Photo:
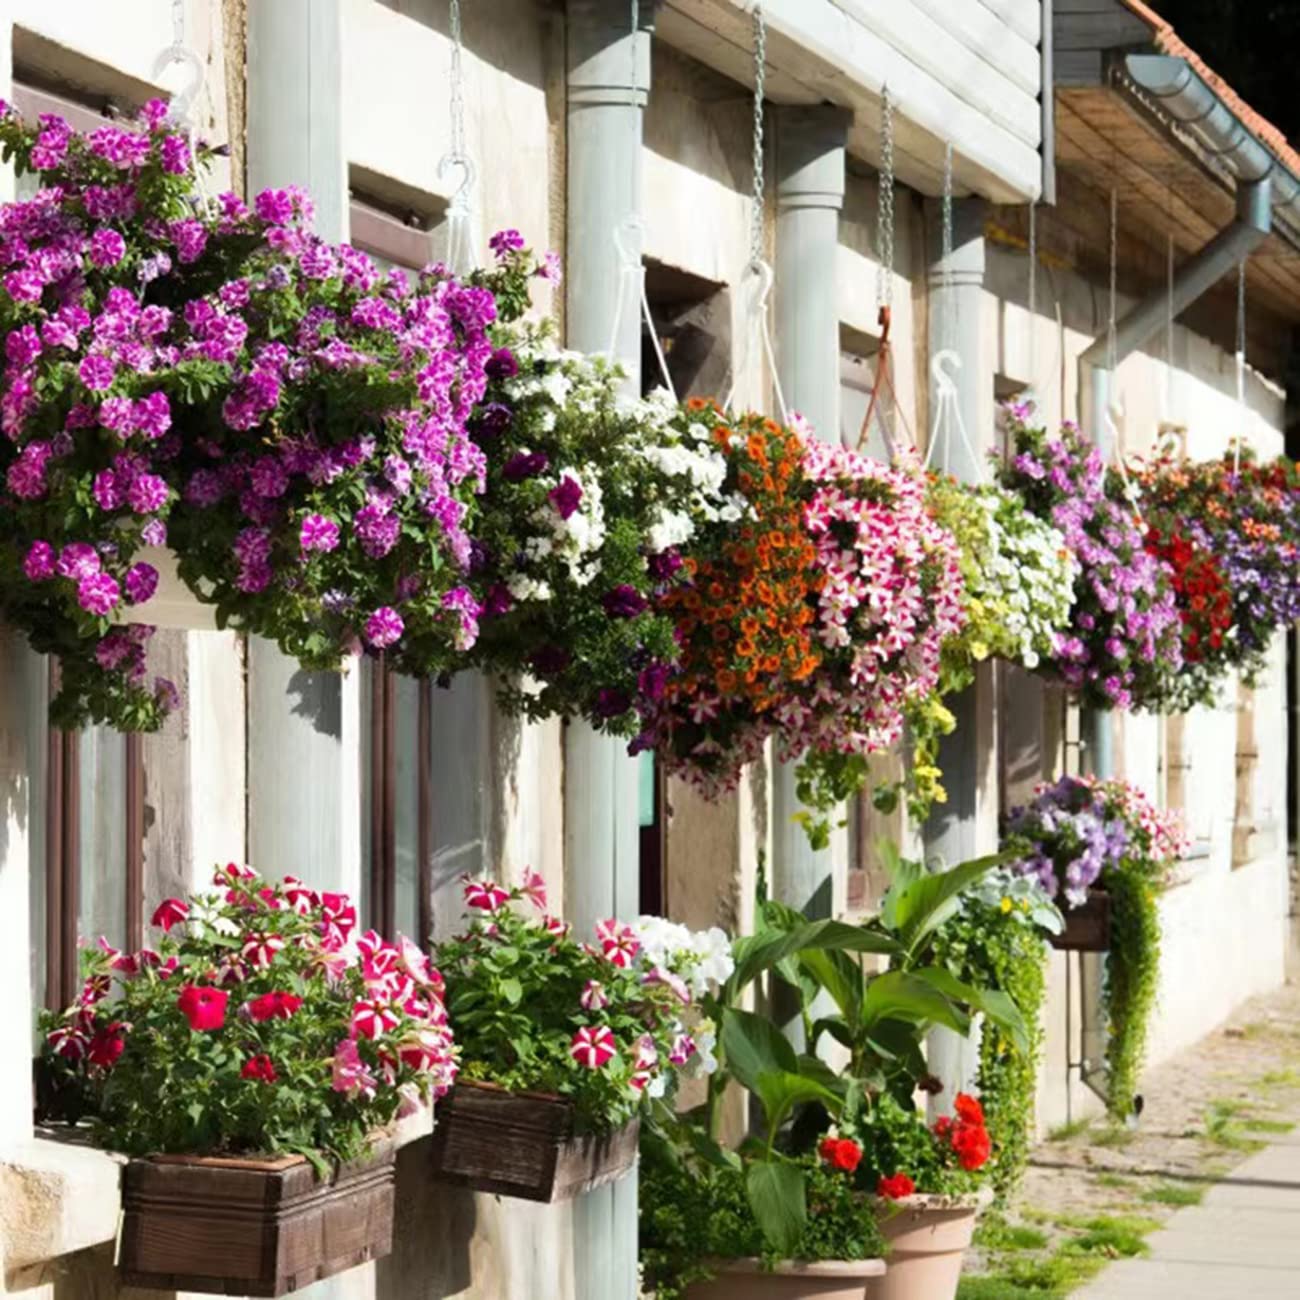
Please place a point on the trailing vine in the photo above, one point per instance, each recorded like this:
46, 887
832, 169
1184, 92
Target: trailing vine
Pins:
999, 945
1132, 975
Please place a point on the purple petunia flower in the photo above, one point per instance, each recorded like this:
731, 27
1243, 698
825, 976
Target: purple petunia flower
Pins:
318, 533
384, 627
566, 496
141, 583
97, 373
38, 563
502, 365
98, 593
623, 601
78, 560
524, 464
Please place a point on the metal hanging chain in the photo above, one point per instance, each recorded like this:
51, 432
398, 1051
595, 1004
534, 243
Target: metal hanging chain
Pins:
1112, 342
1033, 292
950, 308
457, 83
885, 205
760, 90
758, 274
181, 110
1241, 361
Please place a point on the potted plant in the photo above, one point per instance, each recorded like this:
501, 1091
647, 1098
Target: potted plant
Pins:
563, 1042
879, 1019
927, 1185
1103, 847
251, 1063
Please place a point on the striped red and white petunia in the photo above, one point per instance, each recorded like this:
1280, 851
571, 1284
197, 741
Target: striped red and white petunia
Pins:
593, 1048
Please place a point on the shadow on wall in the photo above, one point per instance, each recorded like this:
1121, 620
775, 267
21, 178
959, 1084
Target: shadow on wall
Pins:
432, 1231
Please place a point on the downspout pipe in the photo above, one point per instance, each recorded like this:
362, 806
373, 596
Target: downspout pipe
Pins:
1263, 182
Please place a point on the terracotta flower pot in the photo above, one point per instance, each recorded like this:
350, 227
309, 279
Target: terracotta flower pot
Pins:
747, 1279
252, 1227
522, 1144
927, 1236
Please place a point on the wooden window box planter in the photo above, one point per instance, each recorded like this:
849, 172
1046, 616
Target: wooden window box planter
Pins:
1087, 928
247, 1227
522, 1144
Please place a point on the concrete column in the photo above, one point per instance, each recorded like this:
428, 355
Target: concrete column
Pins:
608, 82
966, 825
304, 747
304, 729
809, 193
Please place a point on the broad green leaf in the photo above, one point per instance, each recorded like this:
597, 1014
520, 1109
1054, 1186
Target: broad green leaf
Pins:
898, 995
929, 900
778, 1198
839, 975
760, 952
995, 1004
754, 1045
512, 991
781, 1091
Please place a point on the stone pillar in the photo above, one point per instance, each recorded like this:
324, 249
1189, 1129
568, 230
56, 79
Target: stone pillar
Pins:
608, 82
304, 748
809, 193
304, 729
967, 824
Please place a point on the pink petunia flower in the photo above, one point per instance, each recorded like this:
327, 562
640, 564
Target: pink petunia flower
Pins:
593, 1048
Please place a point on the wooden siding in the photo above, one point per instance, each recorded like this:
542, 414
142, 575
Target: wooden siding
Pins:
971, 80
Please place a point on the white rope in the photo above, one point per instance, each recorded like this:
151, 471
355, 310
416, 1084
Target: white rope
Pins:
628, 238
182, 106
462, 235
948, 413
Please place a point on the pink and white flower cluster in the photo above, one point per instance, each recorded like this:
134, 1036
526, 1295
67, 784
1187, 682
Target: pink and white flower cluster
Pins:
604, 1024
262, 1007
891, 593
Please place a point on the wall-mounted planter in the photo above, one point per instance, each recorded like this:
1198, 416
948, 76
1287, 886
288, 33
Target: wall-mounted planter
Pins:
748, 1279
173, 605
251, 1227
1087, 927
523, 1144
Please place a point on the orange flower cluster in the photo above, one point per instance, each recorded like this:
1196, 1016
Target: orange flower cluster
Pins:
744, 615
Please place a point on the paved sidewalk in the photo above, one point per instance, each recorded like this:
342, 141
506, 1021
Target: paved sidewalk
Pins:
1241, 1243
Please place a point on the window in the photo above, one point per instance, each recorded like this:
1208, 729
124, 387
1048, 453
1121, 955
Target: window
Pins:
86, 830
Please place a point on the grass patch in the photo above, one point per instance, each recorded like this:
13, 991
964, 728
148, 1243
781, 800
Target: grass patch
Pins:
1280, 1079
1112, 1180
994, 1233
1117, 1236
1114, 1135
1266, 1126
1222, 1128
1174, 1194
1064, 1132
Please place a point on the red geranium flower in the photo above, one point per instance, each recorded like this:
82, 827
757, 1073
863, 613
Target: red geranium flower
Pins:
260, 1068
204, 1008
841, 1153
969, 1111
972, 1145
895, 1188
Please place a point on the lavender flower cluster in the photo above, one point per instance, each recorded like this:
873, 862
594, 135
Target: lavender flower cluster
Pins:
1124, 641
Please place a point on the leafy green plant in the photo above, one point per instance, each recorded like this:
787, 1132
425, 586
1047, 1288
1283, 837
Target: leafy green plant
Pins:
996, 941
1132, 977
258, 1024
604, 1026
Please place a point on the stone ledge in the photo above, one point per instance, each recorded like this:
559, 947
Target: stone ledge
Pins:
56, 1197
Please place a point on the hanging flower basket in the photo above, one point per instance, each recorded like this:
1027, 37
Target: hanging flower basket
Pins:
1087, 927
523, 1144
252, 1227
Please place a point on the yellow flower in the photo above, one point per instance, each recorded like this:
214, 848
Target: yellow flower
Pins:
1007, 904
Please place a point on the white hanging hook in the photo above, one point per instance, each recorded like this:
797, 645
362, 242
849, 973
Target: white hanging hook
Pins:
939, 371
947, 410
182, 103
463, 193
629, 255
760, 277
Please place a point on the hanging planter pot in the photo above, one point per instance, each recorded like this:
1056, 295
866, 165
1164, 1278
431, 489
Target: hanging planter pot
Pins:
1087, 927
750, 1279
252, 1227
523, 1144
173, 604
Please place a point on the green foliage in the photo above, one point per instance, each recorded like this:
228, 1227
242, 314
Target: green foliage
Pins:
1174, 1194
693, 1212
994, 1233
998, 946
1132, 976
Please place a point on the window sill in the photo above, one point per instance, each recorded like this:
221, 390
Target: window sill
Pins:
57, 1195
